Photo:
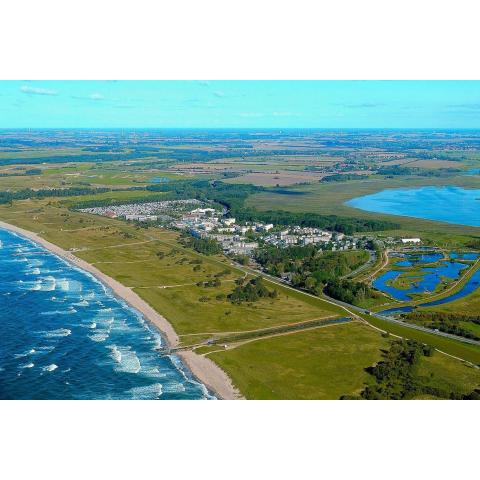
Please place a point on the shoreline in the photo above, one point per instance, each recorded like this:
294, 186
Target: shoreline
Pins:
202, 368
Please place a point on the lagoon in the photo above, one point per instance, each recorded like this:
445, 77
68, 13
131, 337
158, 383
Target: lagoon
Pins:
445, 204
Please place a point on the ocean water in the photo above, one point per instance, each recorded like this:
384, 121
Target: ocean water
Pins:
445, 204
64, 335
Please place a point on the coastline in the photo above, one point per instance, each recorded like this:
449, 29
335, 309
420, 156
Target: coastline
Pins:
204, 369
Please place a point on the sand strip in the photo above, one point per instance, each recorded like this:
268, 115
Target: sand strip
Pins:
204, 369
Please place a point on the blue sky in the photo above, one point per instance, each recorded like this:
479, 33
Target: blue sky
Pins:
239, 104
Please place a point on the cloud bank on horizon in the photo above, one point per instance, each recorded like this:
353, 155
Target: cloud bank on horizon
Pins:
239, 104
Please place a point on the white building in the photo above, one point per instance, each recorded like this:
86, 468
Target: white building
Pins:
410, 240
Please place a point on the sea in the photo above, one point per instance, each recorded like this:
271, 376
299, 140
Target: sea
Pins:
445, 204
65, 335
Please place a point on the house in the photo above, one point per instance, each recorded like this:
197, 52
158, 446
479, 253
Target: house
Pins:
410, 240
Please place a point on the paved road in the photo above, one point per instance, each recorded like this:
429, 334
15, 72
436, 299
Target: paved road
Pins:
409, 325
352, 309
371, 261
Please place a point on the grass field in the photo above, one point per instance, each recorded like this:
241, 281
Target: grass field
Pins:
325, 363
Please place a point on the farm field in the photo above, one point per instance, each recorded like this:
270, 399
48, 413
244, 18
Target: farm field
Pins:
281, 178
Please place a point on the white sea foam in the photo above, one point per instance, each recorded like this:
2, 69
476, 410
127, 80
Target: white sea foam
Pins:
115, 353
48, 284
82, 303
50, 368
173, 387
147, 392
33, 271
153, 372
45, 349
59, 332
70, 285
129, 362
63, 284
27, 365
93, 325
25, 354
99, 336
57, 312
36, 285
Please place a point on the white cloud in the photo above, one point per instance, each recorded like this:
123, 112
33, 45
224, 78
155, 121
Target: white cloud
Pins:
37, 90
219, 94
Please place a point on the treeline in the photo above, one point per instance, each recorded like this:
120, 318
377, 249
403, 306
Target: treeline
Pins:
445, 322
396, 376
422, 172
101, 157
309, 267
475, 243
349, 291
338, 177
251, 291
231, 196
207, 246
8, 197
26, 173
347, 225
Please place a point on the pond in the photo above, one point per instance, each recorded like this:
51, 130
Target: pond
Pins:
426, 280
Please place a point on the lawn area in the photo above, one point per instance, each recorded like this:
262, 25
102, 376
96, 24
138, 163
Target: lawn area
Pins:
324, 363
443, 372
459, 349
183, 308
327, 363
468, 305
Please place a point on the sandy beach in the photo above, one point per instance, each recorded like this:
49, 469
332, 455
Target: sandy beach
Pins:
204, 369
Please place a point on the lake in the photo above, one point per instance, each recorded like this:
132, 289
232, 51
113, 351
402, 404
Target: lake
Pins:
445, 204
